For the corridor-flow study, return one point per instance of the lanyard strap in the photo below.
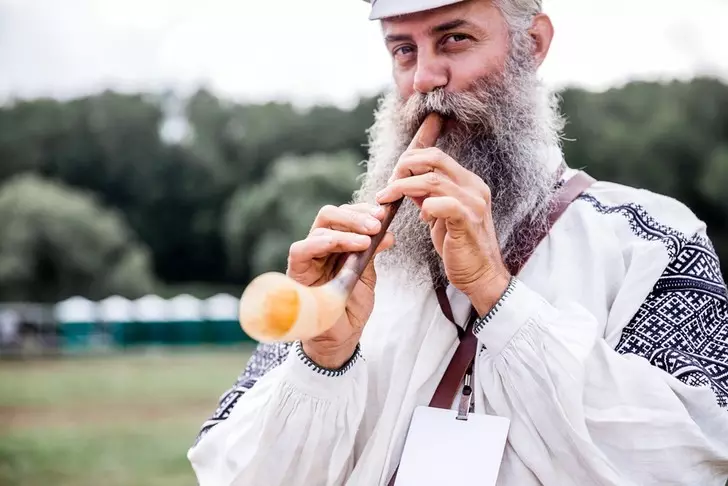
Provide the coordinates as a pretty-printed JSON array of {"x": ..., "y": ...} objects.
[
  {"x": 464, "y": 356},
  {"x": 461, "y": 360}
]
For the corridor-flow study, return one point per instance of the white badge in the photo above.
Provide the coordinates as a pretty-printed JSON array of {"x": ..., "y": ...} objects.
[{"x": 441, "y": 449}]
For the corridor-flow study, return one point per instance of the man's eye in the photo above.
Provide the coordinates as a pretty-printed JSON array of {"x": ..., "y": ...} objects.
[
  {"x": 455, "y": 38},
  {"x": 403, "y": 51}
]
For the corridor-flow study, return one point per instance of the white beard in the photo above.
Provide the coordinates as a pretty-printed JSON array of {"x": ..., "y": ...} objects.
[{"x": 505, "y": 126}]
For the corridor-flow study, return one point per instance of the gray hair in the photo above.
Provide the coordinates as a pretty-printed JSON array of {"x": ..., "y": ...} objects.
[{"x": 519, "y": 13}]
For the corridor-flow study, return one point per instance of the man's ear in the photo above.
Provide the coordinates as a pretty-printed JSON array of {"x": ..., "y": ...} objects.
[{"x": 542, "y": 32}]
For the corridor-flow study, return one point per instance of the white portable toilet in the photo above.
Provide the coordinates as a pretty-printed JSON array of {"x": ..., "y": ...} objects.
[
  {"x": 223, "y": 327},
  {"x": 185, "y": 320},
  {"x": 115, "y": 312},
  {"x": 76, "y": 318},
  {"x": 151, "y": 316}
]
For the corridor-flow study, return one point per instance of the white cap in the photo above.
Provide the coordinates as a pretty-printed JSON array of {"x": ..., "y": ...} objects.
[{"x": 390, "y": 8}]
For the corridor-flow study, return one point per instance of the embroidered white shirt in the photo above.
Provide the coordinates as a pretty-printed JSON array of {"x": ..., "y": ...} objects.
[{"x": 610, "y": 358}]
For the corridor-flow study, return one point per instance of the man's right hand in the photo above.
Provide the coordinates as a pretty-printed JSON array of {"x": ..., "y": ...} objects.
[{"x": 313, "y": 262}]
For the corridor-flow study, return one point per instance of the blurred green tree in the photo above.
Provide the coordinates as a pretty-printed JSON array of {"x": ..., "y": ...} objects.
[
  {"x": 262, "y": 221},
  {"x": 668, "y": 137},
  {"x": 111, "y": 144},
  {"x": 178, "y": 194},
  {"x": 58, "y": 242}
]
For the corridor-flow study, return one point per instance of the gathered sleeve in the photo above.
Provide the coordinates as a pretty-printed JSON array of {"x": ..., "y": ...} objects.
[
  {"x": 286, "y": 421},
  {"x": 652, "y": 410}
]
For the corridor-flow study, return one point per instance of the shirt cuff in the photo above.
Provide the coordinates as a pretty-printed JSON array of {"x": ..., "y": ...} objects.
[
  {"x": 518, "y": 306},
  {"x": 312, "y": 379}
]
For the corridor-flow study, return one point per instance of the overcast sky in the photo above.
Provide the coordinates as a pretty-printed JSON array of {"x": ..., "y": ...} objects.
[{"x": 318, "y": 50}]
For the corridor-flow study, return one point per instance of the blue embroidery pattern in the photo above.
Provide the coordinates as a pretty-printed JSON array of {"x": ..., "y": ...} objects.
[
  {"x": 265, "y": 358},
  {"x": 682, "y": 326}
]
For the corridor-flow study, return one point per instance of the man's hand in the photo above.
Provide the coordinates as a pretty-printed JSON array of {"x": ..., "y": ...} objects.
[
  {"x": 457, "y": 205},
  {"x": 313, "y": 262}
]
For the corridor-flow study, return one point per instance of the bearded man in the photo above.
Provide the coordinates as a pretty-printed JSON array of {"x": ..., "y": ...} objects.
[{"x": 607, "y": 352}]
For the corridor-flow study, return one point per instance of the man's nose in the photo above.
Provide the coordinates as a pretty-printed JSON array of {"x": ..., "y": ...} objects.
[{"x": 431, "y": 74}]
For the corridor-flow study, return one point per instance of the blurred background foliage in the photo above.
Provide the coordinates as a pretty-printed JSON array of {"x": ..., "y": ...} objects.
[{"x": 135, "y": 193}]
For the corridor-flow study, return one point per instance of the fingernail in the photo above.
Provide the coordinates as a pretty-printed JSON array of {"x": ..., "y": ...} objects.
[
  {"x": 381, "y": 193},
  {"x": 377, "y": 211},
  {"x": 363, "y": 239}
]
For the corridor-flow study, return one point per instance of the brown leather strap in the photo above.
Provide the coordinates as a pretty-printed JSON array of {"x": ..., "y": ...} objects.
[
  {"x": 465, "y": 353},
  {"x": 449, "y": 384},
  {"x": 444, "y": 303},
  {"x": 571, "y": 189}
]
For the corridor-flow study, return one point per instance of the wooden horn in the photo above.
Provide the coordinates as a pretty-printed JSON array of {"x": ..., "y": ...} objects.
[{"x": 275, "y": 307}]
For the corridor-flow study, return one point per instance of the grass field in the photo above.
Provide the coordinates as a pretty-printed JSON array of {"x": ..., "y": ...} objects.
[{"x": 117, "y": 420}]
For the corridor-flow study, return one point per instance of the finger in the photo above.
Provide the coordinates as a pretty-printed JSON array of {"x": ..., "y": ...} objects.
[
  {"x": 438, "y": 230},
  {"x": 416, "y": 162},
  {"x": 423, "y": 185},
  {"x": 374, "y": 209},
  {"x": 366, "y": 209},
  {"x": 385, "y": 243},
  {"x": 357, "y": 219},
  {"x": 325, "y": 242},
  {"x": 454, "y": 212},
  {"x": 421, "y": 161}
]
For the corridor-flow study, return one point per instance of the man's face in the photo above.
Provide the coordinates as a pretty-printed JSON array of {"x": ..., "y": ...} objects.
[
  {"x": 465, "y": 62},
  {"x": 449, "y": 48}
]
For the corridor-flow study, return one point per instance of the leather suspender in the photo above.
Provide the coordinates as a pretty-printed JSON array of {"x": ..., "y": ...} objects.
[{"x": 465, "y": 353}]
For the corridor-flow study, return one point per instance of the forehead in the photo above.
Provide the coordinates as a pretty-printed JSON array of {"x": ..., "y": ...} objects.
[{"x": 475, "y": 12}]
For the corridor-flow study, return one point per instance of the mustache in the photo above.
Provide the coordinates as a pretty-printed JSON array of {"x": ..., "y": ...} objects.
[{"x": 476, "y": 108}]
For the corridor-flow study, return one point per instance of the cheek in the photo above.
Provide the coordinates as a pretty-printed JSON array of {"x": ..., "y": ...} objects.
[
  {"x": 483, "y": 60},
  {"x": 466, "y": 71},
  {"x": 404, "y": 81}
]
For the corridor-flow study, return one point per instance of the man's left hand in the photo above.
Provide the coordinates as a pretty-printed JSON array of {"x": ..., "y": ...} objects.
[{"x": 457, "y": 206}]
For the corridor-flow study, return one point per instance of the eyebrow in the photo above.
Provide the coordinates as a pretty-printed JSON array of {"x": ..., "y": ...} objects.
[
  {"x": 438, "y": 29},
  {"x": 453, "y": 24}
]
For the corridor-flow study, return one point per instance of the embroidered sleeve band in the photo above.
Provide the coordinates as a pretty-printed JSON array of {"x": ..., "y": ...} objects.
[
  {"x": 326, "y": 371},
  {"x": 518, "y": 306},
  {"x": 482, "y": 321}
]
